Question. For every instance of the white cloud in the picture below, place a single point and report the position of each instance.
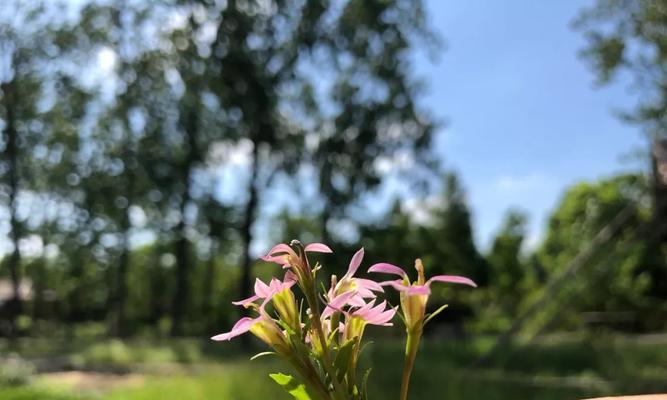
(521, 183)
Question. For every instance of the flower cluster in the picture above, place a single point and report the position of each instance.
(323, 342)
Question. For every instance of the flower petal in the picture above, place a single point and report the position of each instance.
(282, 259)
(384, 317)
(388, 269)
(356, 301)
(452, 279)
(397, 284)
(275, 285)
(262, 290)
(354, 263)
(242, 326)
(280, 249)
(376, 315)
(318, 248)
(337, 303)
(245, 302)
(279, 254)
(290, 277)
(368, 284)
(416, 290)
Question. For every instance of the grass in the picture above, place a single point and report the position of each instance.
(29, 393)
(554, 369)
(240, 381)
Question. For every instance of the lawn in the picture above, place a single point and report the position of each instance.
(551, 369)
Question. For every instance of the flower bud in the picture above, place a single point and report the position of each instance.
(267, 331)
(287, 309)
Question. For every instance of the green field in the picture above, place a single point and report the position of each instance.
(142, 370)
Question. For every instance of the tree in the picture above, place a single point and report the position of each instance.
(377, 121)
(631, 37)
(509, 274)
(627, 274)
(250, 62)
(396, 237)
(451, 236)
(31, 76)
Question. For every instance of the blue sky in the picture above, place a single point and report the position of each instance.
(524, 118)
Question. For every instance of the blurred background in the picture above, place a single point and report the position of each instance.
(152, 150)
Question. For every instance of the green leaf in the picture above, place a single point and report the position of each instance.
(365, 346)
(266, 353)
(343, 357)
(436, 312)
(364, 383)
(293, 386)
(331, 336)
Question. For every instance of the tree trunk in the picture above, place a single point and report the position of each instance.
(118, 318)
(157, 284)
(246, 230)
(12, 157)
(325, 217)
(76, 309)
(181, 298)
(179, 306)
(209, 287)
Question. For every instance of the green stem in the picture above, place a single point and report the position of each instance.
(411, 347)
(307, 284)
(352, 366)
(307, 372)
(311, 297)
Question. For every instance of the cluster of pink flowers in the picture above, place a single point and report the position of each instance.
(322, 343)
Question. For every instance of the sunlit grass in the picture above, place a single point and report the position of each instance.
(240, 381)
(30, 393)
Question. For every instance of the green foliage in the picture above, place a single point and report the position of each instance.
(374, 100)
(292, 386)
(27, 393)
(15, 371)
(240, 381)
(630, 36)
(553, 368)
(451, 237)
(134, 153)
(620, 276)
(583, 211)
(123, 176)
(539, 370)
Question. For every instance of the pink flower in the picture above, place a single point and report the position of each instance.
(293, 256)
(420, 287)
(337, 304)
(368, 312)
(266, 292)
(375, 315)
(414, 296)
(263, 327)
(356, 317)
(242, 326)
(361, 288)
(284, 255)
